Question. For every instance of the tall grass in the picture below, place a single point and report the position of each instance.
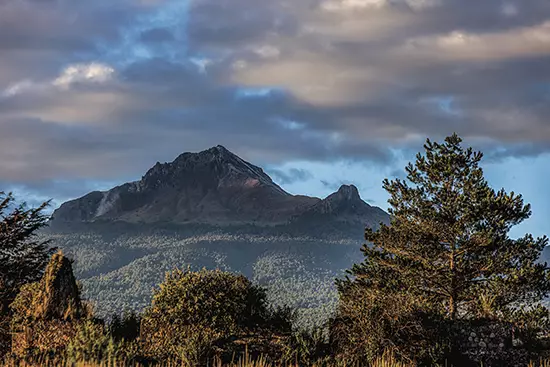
(385, 361)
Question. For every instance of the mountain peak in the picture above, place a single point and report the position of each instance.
(212, 186)
(348, 192)
(219, 150)
(344, 205)
(213, 168)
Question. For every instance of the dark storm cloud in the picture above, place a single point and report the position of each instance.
(102, 90)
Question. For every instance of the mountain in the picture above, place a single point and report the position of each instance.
(212, 210)
(343, 206)
(214, 186)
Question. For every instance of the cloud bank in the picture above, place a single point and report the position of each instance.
(101, 90)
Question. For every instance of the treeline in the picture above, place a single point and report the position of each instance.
(443, 284)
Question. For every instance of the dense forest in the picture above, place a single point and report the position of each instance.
(120, 275)
(442, 284)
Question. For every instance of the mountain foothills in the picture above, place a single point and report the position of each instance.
(213, 209)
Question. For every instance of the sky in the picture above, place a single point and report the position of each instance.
(318, 92)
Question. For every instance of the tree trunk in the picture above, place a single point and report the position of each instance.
(452, 298)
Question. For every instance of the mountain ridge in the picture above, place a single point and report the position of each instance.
(214, 186)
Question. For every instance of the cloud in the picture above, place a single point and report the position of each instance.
(155, 35)
(77, 73)
(290, 176)
(101, 90)
(89, 73)
(466, 46)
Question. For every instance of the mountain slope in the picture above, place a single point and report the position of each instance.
(214, 186)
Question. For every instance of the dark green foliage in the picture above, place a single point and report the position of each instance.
(22, 256)
(215, 299)
(5, 335)
(446, 256)
(125, 327)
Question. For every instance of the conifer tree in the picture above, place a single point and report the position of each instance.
(23, 257)
(447, 250)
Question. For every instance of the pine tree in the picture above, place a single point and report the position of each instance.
(447, 250)
(23, 257)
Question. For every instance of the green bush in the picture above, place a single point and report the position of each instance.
(193, 311)
(369, 323)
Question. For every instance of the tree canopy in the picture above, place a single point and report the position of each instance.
(447, 251)
(23, 257)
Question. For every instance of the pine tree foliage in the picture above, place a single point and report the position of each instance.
(23, 257)
(447, 250)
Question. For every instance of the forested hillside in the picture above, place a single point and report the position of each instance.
(119, 271)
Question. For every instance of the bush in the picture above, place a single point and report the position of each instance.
(5, 336)
(91, 342)
(126, 327)
(193, 311)
(369, 323)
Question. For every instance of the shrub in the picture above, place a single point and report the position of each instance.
(5, 336)
(91, 342)
(306, 347)
(368, 324)
(126, 327)
(192, 311)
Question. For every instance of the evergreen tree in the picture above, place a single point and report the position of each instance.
(447, 253)
(23, 257)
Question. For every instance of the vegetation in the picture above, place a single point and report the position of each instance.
(23, 257)
(443, 284)
(119, 271)
(444, 269)
(194, 310)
